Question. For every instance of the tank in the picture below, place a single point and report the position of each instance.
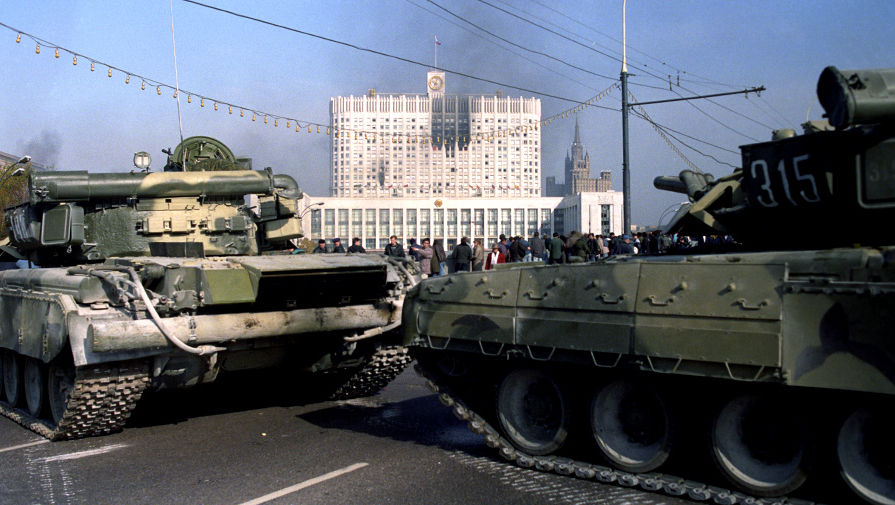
(151, 280)
(735, 375)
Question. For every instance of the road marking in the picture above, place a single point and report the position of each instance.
(83, 454)
(22, 446)
(308, 483)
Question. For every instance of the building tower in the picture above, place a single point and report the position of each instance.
(435, 145)
(578, 179)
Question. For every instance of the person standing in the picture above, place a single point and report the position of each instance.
(478, 256)
(439, 265)
(321, 247)
(554, 250)
(356, 247)
(393, 248)
(462, 256)
(538, 250)
(502, 245)
(425, 253)
(494, 258)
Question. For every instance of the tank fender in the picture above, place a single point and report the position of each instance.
(35, 323)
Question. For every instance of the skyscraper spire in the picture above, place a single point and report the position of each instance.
(577, 137)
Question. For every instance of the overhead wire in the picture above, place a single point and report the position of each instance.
(541, 53)
(685, 72)
(486, 39)
(379, 53)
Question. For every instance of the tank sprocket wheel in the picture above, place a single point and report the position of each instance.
(35, 386)
(12, 378)
(864, 450)
(60, 382)
(533, 411)
(761, 446)
(631, 425)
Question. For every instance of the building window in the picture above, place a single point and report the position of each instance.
(438, 225)
(545, 222)
(559, 221)
(532, 222)
(343, 224)
(479, 222)
(424, 224)
(411, 223)
(452, 222)
(519, 218)
(371, 222)
(329, 222)
(492, 223)
(398, 223)
(465, 222)
(506, 222)
(370, 243)
(383, 225)
(357, 228)
(605, 219)
(315, 223)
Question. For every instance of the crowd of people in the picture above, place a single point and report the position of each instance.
(574, 248)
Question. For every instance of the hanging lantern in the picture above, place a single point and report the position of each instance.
(92, 66)
(74, 60)
(215, 106)
(158, 90)
(143, 85)
(127, 80)
(18, 38)
(242, 113)
(37, 49)
(189, 99)
(57, 52)
(230, 109)
(202, 102)
(110, 72)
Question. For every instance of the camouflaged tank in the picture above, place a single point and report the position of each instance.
(775, 362)
(166, 279)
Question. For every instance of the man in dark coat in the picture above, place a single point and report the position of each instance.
(321, 247)
(554, 249)
(462, 256)
(537, 248)
(356, 247)
(393, 248)
(337, 246)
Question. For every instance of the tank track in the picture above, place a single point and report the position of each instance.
(382, 367)
(655, 482)
(100, 402)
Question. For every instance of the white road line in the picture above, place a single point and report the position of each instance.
(22, 446)
(308, 483)
(83, 454)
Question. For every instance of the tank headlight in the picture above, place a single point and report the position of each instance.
(142, 160)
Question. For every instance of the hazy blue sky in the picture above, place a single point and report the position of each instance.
(75, 119)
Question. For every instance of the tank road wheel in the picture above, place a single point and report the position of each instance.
(35, 385)
(760, 445)
(631, 425)
(532, 411)
(60, 381)
(12, 377)
(864, 450)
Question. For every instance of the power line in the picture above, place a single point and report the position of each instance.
(706, 79)
(461, 18)
(667, 128)
(644, 70)
(473, 32)
(379, 53)
(665, 131)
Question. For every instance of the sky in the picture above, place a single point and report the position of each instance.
(66, 116)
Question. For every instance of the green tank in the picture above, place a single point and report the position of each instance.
(739, 374)
(150, 280)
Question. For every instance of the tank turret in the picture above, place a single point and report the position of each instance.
(831, 186)
(153, 280)
(75, 217)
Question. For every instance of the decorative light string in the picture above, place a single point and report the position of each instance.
(305, 125)
(664, 137)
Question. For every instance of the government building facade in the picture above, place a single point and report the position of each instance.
(442, 166)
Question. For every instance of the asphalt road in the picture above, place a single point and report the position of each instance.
(254, 440)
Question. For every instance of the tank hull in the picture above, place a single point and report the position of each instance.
(629, 366)
(318, 316)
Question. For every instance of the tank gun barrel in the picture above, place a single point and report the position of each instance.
(670, 183)
(81, 186)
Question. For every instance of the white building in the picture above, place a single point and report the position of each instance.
(435, 145)
(374, 220)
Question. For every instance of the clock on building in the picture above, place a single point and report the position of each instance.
(436, 82)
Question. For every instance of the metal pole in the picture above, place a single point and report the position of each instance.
(626, 174)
